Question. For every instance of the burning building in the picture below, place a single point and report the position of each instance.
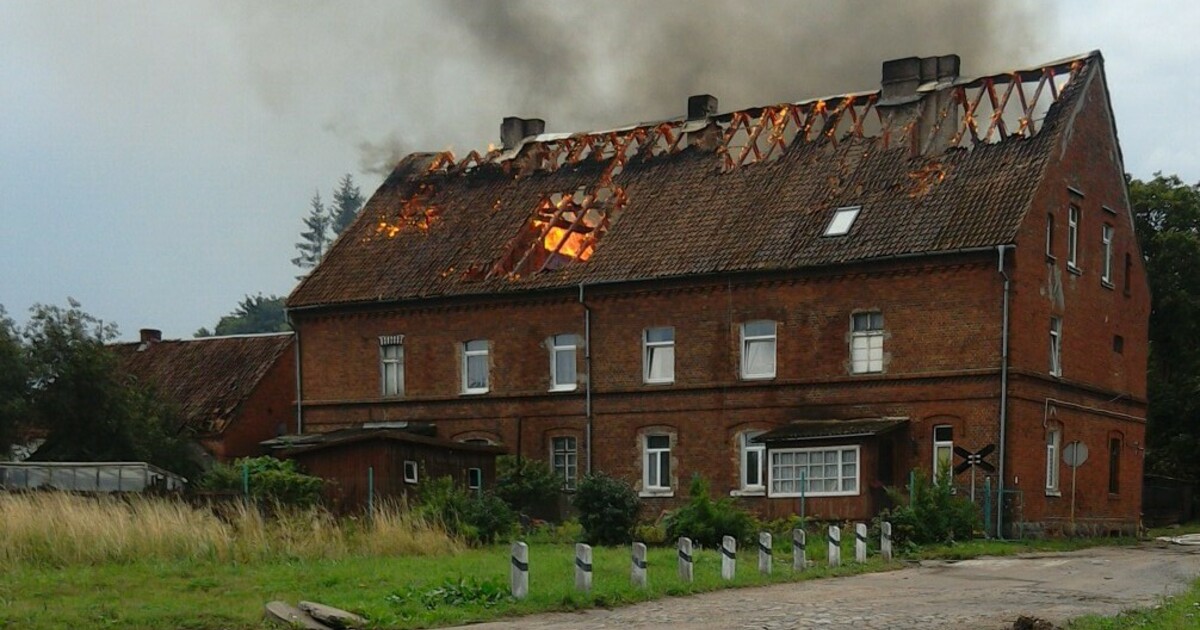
(802, 302)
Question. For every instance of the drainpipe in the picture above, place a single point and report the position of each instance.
(1003, 389)
(587, 378)
(299, 406)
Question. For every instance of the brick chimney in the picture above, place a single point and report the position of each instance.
(150, 335)
(901, 81)
(513, 130)
(701, 107)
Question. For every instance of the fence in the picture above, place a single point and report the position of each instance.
(88, 477)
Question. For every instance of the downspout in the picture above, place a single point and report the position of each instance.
(587, 379)
(299, 405)
(1003, 389)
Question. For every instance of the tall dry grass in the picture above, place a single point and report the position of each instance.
(60, 529)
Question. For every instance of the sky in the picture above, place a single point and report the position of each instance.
(157, 158)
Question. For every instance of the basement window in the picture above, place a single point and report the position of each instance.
(842, 221)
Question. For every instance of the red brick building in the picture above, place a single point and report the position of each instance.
(232, 392)
(881, 280)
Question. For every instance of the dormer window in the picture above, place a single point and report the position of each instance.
(842, 221)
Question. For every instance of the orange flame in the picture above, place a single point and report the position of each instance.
(574, 244)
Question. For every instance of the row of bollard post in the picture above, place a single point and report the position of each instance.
(519, 574)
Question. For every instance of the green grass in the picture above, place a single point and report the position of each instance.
(1175, 613)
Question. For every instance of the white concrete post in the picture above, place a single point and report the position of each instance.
(685, 558)
(860, 542)
(728, 557)
(764, 553)
(799, 550)
(835, 546)
(583, 567)
(519, 576)
(637, 569)
(885, 541)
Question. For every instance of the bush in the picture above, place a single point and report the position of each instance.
(270, 479)
(781, 528)
(608, 508)
(478, 518)
(650, 533)
(527, 485)
(930, 514)
(706, 521)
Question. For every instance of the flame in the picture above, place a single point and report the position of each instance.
(574, 244)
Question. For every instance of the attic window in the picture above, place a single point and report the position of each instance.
(842, 221)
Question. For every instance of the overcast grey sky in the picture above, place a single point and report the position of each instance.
(156, 158)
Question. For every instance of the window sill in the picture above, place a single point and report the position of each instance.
(1107, 285)
(810, 495)
(1050, 258)
(658, 383)
(763, 377)
(749, 492)
(1054, 493)
(664, 493)
(1073, 269)
(558, 390)
(479, 392)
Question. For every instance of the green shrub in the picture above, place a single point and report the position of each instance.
(781, 528)
(706, 521)
(527, 485)
(477, 518)
(608, 508)
(464, 591)
(550, 533)
(650, 533)
(270, 479)
(931, 513)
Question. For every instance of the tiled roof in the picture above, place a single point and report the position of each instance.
(207, 378)
(322, 441)
(802, 430)
(694, 211)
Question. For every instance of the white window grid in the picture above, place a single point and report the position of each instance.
(866, 343)
(656, 463)
(391, 368)
(475, 367)
(1053, 447)
(1106, 238)
(814, 472)
(562, 363)
(1056, 346)
(758, 349)
(1073, 236)
(752, 455)
(943, 451)
(658, 355)
(410, 471)
(564, 457)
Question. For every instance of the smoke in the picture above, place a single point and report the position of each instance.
(435, 75)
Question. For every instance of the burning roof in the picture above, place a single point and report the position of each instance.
(937, 162)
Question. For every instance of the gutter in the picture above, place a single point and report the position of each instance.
(1000, 249)
(587, 379)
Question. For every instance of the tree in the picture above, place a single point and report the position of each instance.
(13, 379)
(255, 314)
(315, 241)
(1167, 217)
(347, 201)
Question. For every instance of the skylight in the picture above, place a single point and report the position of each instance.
(842, 221)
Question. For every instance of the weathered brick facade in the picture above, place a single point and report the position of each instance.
(942, 363)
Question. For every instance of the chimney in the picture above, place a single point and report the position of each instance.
(899, 93)
(701, 106)
(513, 130)
(150, 335)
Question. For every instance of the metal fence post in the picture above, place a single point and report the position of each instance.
(519, 575)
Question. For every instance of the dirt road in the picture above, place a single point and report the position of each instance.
(980, 593)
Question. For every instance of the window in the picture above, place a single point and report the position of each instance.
(564, 459)
(814, 472)
(391, 364)
(1118, 344)
(866, 343)
(1053, 450)
(1056, 346)
(410, 471)
(656, 463)
(1106, 238)
(1073, 237)
(1114, 465)
(475, 479)
(1050, 236)
(751, 457)
(562, 362)
(758, 349)
(658, 355)
(842, 221)
(475, 367)
(943, 450)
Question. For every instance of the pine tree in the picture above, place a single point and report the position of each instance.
(315, 241)
(347, 201)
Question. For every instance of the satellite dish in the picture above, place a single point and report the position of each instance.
(1075, 454)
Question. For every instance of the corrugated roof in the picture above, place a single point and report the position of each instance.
(802, 430)
(207, 378)
(692, 211)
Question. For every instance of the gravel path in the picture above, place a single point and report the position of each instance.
(980, 593)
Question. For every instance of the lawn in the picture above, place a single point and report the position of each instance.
(1175, 613)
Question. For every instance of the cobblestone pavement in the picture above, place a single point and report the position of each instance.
(979, 593)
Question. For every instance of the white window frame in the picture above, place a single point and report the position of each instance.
(1073, 217)
(467, 355)
(1050, 235)
(651, 349)
(1106, 239)
(475, 479)
(652, 460)
(842, 220)
(747, 340)
(938, 445)
(569, 471)
(410, 471)
(1053, 460)
(566, 344)
(745, 448)
(869, 337)
(391, 387)
(772, 465)
(1056, 346)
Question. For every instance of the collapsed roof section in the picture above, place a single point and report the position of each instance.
(935, 161)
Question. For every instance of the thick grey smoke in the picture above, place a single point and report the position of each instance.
(443, 74)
